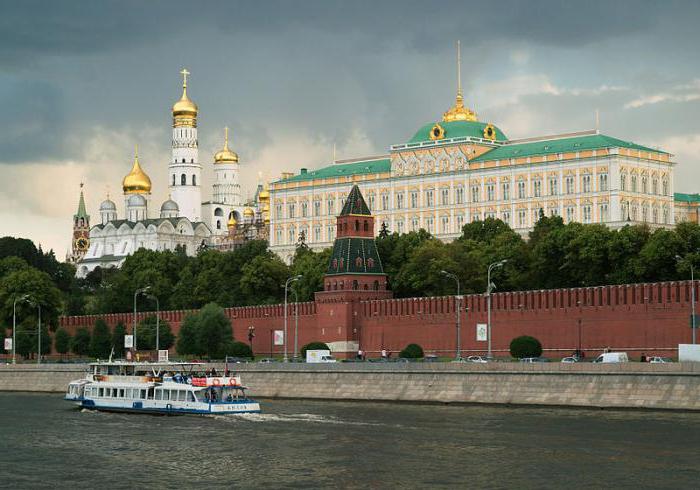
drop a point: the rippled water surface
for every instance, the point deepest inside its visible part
(45, 442)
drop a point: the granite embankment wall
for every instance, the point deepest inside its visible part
(669, 387)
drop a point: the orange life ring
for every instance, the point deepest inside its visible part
(216, 382)
(232, 382)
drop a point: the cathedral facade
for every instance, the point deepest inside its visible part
(183, 221)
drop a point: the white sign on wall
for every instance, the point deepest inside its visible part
(128, 341)
(163, 355)
(482, 332)
(8, 343)
(279, 337)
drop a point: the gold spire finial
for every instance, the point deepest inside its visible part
(458, 112)
(136, 152)
(225, 137)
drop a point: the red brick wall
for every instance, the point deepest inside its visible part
(650, 318)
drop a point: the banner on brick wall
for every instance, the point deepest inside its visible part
(8, 343)
(482, 332)
(128, 341)
(279, 337)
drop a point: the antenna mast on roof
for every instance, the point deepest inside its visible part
(597, 121)
(334, 158)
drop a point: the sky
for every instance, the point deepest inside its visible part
(81, 83)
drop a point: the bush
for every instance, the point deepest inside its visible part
(61, 341)
(412, 351)
(525, 346)
(238, 349)
(313, 346)
(80, 343)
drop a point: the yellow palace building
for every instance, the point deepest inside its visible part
(460, 169)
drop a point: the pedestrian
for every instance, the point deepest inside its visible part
(643, 357)
(383, 353)
(359, 354)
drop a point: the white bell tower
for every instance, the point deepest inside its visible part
(184, 168)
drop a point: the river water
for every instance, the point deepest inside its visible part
(46, 443)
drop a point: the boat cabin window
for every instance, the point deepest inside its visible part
(190, 396)
(102, 392)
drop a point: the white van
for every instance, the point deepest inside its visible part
(612, 357)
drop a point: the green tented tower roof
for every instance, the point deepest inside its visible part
(355, 203)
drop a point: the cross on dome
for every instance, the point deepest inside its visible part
(184, 73)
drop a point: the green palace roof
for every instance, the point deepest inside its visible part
(372, 166)
(681, 197)
(563, 145)
(456, 129)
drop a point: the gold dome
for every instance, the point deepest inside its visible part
(264, 194)
(136, 182)
(266, 208)
(267, 218)
(184, 110)
(232, 222)
(248, 212)
(225, 155)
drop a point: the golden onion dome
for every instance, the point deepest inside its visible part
(458, 112)
(232, 222)
(267, 218)
(264, 195)
(184, 110)
(225, 155)
(136, 182)
(248, 212)
(266, 208)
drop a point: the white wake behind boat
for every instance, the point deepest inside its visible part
(162, 388)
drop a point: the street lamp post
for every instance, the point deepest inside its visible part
(286, 287)
(153, 296)
(296, 323)
(133, 327)
(38, 355)
(14, 326)
(490, 287)
(692, 296)
(458, 313)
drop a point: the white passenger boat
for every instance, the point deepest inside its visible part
(164, 388)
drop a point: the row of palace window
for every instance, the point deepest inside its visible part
(642, 185)
(183, 179)
(583, 214)
(410, 199)
(645, 213)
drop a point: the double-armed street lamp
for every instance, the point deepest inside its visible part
(14, 326)
(286, 287)
(489, 288)
(458, 308)
(692, 295)
(133, 328)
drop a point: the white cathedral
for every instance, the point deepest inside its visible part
(184, 221)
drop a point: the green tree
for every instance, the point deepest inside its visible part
(62, 341)
(187, 337)
(421, 274)
(80, 343)
(118, 334)
(311, 266)
(525, 346)
(39, 289)
(214, 331)
(313, 346)
(101, 340)
(27, 338)
(238, 349)
(412, 351)
(146, 330)
(261, 279)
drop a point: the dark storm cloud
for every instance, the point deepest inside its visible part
(326, 67)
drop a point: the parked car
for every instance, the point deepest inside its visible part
(660, 360)
(431, 358)
(477, 359)
(612, 357)
(534, 359)
(569, 360)
(267, 360)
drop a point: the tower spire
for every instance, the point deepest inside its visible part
(82, 210)
(459, 72)
(458, 112)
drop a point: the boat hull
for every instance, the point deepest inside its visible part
(249, 406)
